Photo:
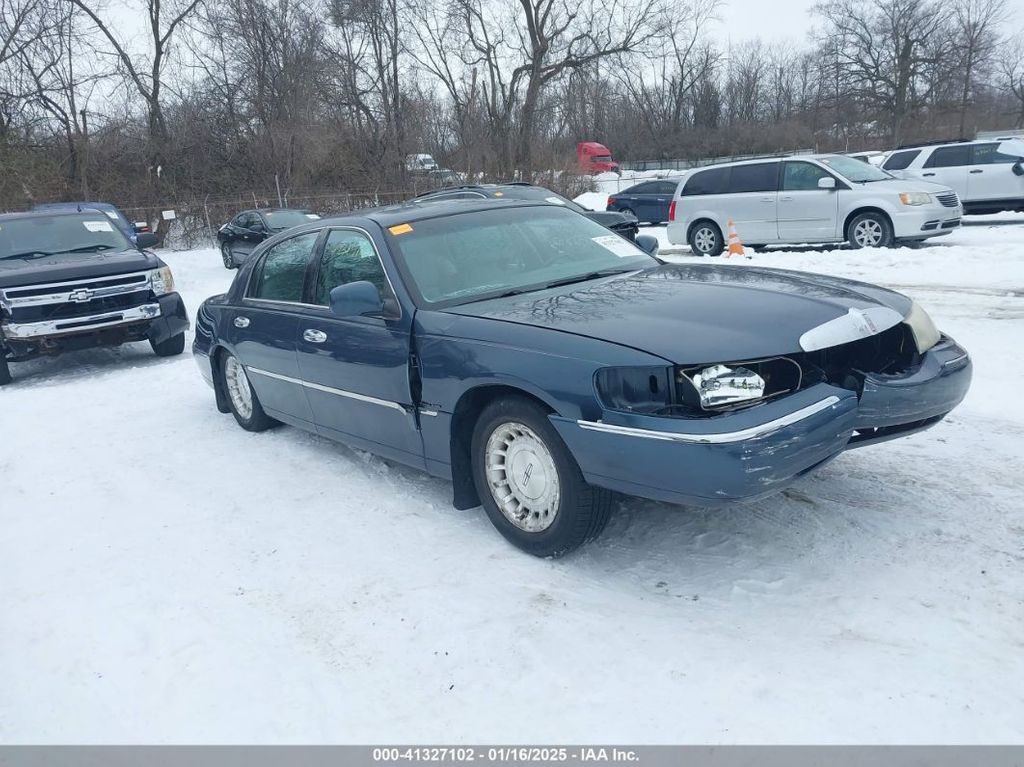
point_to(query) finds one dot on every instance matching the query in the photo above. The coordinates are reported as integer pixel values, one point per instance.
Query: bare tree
(975, 23)
(1011, 74)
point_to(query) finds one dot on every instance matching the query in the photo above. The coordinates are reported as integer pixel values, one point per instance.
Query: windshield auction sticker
(616, 245)
(98, 226)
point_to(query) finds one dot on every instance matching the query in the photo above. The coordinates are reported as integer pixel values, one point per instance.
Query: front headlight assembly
(926, 335)
(726, 386)
(915, 198)
(161, 281)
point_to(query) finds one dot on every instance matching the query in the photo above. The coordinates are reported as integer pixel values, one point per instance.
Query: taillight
(611, 201)
(672, 211)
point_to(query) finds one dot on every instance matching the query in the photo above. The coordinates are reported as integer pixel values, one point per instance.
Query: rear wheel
(628, 212)
(5, 371)
(530, 485)
(706, 239)
(870, 230)
(169, 347)
(228, 258)
(245, 405)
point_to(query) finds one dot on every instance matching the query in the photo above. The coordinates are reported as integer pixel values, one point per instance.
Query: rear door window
(760, 177)
(901, 160)
(711, 181)
(648, 187)
(282, 274)
(949, 157)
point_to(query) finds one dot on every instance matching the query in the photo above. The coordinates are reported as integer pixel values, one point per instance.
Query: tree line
(215, 100)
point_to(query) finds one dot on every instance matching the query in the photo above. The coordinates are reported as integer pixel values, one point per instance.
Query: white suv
(988, 175)
(807, 199)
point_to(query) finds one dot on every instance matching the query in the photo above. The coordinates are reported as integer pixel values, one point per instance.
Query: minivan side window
(282, 273)
(760, 177)
(711, 181)
(901, 160)
(989, 154)
(802, 176)
(949, 157)
(349, 256)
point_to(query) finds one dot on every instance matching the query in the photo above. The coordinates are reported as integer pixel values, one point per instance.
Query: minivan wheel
(529, 484)
(225, 254)
(245, 405)
(706, 239)
(870, 230)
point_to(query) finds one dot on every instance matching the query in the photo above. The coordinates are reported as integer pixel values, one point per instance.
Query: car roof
(43, 213)
(420, 209)
(489, 187)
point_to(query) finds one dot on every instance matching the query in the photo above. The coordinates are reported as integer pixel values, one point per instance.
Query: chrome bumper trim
(715, 438)
(84, 324)
(329, 389)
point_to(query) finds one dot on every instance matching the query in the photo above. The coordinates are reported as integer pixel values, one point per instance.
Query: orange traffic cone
(735, 246)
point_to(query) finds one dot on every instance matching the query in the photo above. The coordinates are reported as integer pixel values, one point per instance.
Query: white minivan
(988, 176)
(807, 199)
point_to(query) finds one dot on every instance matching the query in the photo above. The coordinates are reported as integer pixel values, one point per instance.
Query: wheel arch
(464, 417)
(866, 209)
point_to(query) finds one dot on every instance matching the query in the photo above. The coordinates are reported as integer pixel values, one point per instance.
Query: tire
(870, 230)
(628, 212)
(5, 371)
(706, 239)
(569, 512)
(251, 416)
(169, 347)
(227, 257)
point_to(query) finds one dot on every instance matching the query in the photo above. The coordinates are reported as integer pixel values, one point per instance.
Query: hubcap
(225, 254)
(704, 239)
(522, 477)
(238, 387)
(867, 233)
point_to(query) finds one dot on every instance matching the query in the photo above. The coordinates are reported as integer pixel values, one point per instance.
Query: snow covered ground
(168, 577)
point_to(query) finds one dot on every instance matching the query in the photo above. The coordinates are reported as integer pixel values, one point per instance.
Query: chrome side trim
(715, 438)
(955, 361)
(80, 324)
(329, 389)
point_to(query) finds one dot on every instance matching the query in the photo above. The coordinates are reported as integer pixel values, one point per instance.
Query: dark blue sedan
(539, 361)
(649, 201)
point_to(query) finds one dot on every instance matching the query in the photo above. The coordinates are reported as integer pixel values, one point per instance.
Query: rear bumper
(748, 454)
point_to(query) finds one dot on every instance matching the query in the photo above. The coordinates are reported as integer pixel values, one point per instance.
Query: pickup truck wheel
(225, 254)
(245, 405)
(706, 239)
(530, 485)
(5, 372)
(169, 347)
(870, 230)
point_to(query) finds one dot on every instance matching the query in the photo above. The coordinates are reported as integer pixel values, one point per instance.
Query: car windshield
(540, 194)
(285, 219)
(44, 235)
(855, 170)
(471, 256)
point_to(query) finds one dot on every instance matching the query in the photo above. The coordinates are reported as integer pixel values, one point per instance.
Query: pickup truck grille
(77, 298)
(948, 199)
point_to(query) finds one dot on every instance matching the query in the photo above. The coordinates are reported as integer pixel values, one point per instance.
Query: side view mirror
(647, 244)
(1018, 167)
(146, 240)
(355, 299)
(826, 183)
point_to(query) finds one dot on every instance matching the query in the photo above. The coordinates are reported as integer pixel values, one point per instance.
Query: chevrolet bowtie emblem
(80, 296)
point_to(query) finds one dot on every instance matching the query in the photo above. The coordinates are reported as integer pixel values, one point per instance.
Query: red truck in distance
(592, 157)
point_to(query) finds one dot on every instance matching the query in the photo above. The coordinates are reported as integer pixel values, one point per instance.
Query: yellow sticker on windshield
(400, 228)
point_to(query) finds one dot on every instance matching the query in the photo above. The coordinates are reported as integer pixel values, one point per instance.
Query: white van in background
(988, 176)
(807, 199)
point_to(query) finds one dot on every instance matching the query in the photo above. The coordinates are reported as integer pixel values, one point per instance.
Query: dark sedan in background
(249, 228)
(620, 223)
(540, 361)
(648, 201)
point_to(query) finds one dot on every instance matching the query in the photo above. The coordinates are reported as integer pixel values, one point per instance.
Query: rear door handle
(927, 174)
(314, 336)
(241, 322)
(977, 171)
(767, 199)
(785, 199)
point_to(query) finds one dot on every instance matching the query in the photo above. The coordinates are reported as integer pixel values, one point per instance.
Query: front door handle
(977, 171)
(927, 174)
(767, 199)
(314, 336)
(785, 199)
(241, 322)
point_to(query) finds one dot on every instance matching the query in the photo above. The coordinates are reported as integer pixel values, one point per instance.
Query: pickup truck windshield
(855, 170)
(472, 256)
(49, 235)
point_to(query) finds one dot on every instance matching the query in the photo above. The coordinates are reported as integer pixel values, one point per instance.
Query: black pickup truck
(72, 280)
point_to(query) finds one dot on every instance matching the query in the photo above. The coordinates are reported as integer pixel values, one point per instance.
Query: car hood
(691, 314)
(73, 266)
(904, 184)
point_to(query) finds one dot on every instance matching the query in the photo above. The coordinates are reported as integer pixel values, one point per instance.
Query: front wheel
(227, 257)
(245, 405)
(706, 239)
(169, 347)
(870, 230)
(530, 485)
